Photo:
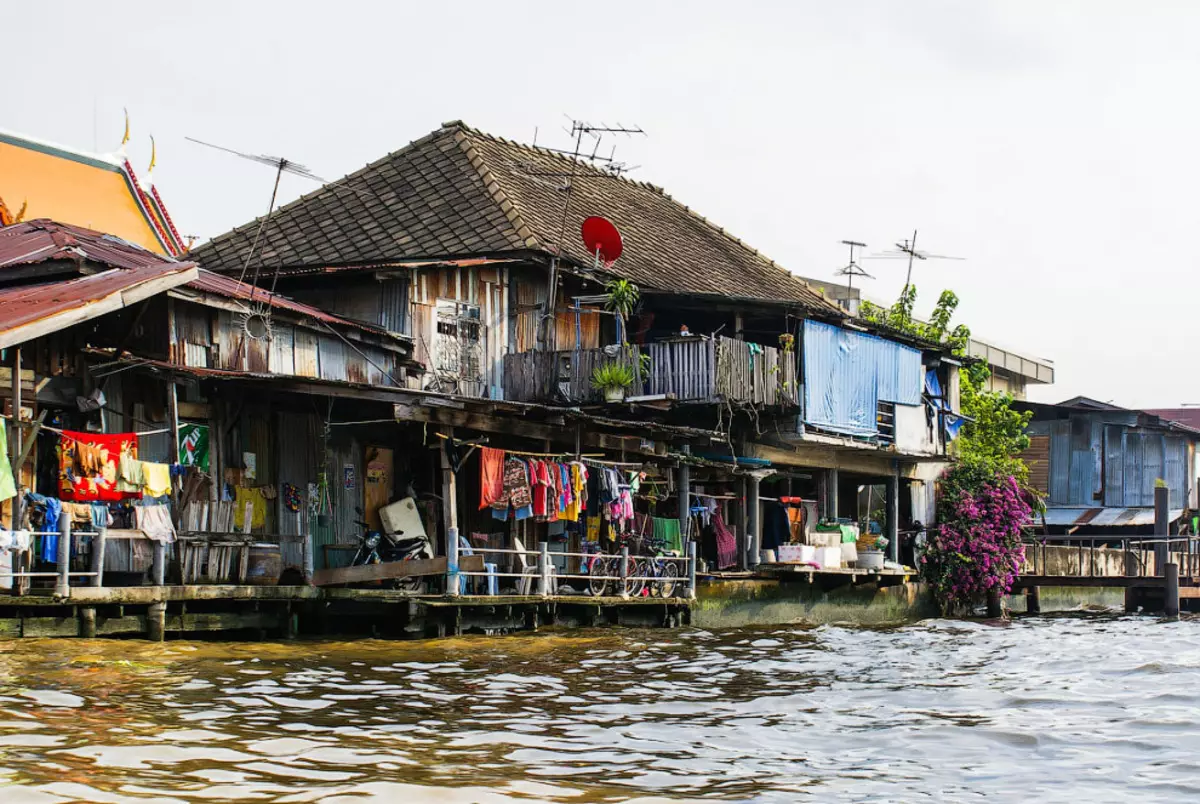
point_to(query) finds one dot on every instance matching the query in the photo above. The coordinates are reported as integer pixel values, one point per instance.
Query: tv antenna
(604, 167)
(852, 268)
(908, 249)
(257, 321)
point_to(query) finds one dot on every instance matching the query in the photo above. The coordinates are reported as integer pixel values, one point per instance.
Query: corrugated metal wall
(298, 464)
(847, 374)
(486, 288)
(1095, 463)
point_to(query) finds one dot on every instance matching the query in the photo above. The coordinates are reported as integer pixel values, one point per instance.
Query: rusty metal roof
(208, 282)
(1102, 517)
(42, 240)
(29, 311)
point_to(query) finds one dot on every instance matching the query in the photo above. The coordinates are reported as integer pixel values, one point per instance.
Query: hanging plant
(787, 342)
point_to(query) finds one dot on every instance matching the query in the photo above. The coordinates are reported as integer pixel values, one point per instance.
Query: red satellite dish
(602, 239)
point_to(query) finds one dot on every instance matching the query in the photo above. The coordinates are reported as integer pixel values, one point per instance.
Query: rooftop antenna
(852, 268)
(908, 248)
(257, 321)
(605, 167)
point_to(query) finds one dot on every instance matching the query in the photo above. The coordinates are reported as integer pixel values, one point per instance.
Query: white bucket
(870, 559)
(768, 557)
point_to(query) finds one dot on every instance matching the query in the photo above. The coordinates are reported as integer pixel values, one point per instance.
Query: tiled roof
(459, 191)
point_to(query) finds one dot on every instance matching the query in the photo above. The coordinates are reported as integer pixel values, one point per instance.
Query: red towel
(88, 465)
(491, 476)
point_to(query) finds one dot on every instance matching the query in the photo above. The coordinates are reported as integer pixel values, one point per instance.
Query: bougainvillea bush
(977, 547)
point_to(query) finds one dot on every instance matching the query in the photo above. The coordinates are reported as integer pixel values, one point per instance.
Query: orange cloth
(491, 476)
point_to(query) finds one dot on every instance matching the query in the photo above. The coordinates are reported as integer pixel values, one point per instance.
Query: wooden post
(1131, 570)
(99, 544)
(156, 622)
(1162, 549)
(544, 569)
(63, 587)
(691, 570)
(453, 582)
(1171, 576)
(754, 523)
(14, 438)
(449, 492)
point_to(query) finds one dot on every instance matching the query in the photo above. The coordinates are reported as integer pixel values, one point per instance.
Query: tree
(984, 498)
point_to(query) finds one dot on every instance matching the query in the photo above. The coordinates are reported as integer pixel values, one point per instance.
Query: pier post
(995, 608)
(87, 622)
(691, 573)
(99, 543)
(1162, 527)
(304, 528)
(63, 587)
(156, 621)
(1131, 571)
(544, 569)
(831, 494)
(453, 584)
(624, 572)
(158, 570)
(754, 523)
(1033, 600)
(1171, 576)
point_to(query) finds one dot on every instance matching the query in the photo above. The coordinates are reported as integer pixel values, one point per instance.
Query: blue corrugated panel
(1176, 470)
(1060, 463)
(846, 374)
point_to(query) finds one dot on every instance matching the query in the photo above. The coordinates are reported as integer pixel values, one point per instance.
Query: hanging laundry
(726, 542)
(50, 509)
(491, 476)
(155, 522)
(8, 487)
(130, 476)
(157, 479)
(258, 504)
(88, 465)
(666, 532)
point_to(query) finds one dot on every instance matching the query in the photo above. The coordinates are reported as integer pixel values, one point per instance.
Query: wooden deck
(272, 612)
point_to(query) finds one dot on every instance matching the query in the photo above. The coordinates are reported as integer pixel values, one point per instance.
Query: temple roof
(95, 191)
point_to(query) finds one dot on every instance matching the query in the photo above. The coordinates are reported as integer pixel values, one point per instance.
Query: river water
(1068, 708)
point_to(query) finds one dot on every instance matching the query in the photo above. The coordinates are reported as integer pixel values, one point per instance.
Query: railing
(690, 369)
(543, 572)
(1140, 556)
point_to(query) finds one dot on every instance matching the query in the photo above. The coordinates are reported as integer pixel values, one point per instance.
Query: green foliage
(612, 375)
(622, 297)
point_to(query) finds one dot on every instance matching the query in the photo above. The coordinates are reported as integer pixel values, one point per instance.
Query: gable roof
(97, 191)
(458, 191)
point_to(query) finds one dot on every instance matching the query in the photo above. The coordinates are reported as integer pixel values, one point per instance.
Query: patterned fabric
(88, 465)
(726, 543)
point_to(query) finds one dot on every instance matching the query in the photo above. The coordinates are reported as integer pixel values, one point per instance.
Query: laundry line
(61, 433)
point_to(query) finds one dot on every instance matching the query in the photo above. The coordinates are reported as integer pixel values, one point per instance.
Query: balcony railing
(692, 369)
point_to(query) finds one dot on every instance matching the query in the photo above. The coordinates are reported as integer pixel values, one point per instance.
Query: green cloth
(8, 488)
(666, 532)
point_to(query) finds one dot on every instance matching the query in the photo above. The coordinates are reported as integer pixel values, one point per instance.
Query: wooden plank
(193, 410)
(393, 569)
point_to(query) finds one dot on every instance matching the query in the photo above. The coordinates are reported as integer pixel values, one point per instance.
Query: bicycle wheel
(639, 571)
(668, 579)
(598, 569)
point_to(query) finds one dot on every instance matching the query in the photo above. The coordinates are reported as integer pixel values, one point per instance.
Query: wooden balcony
(690, 370)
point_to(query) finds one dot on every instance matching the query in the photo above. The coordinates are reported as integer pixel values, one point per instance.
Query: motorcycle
(375, 547)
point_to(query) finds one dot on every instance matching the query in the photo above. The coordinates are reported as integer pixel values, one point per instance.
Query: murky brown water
(1057, 709)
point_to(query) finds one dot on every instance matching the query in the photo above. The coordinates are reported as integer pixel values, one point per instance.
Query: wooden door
(378, 483)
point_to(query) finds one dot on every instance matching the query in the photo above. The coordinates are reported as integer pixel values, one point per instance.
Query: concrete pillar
(624, 572)
(158, 570)
(544, 569)
(87, 622)
(99, 544)
(892, 509)
(754, 536)
(831, 493)
(63, 587)
(684, 484)
(156, 622)
(453, 584)
(691, 576)
(1033, 600)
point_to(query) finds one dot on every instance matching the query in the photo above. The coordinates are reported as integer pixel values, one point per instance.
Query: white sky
(1050, 143)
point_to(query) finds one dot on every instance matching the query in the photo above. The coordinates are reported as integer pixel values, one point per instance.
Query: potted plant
(621, 297)
(612, 378)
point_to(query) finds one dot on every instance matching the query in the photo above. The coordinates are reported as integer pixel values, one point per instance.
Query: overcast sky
(1052, 144)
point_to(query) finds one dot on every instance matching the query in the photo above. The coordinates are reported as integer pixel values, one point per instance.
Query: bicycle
(660, 570)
